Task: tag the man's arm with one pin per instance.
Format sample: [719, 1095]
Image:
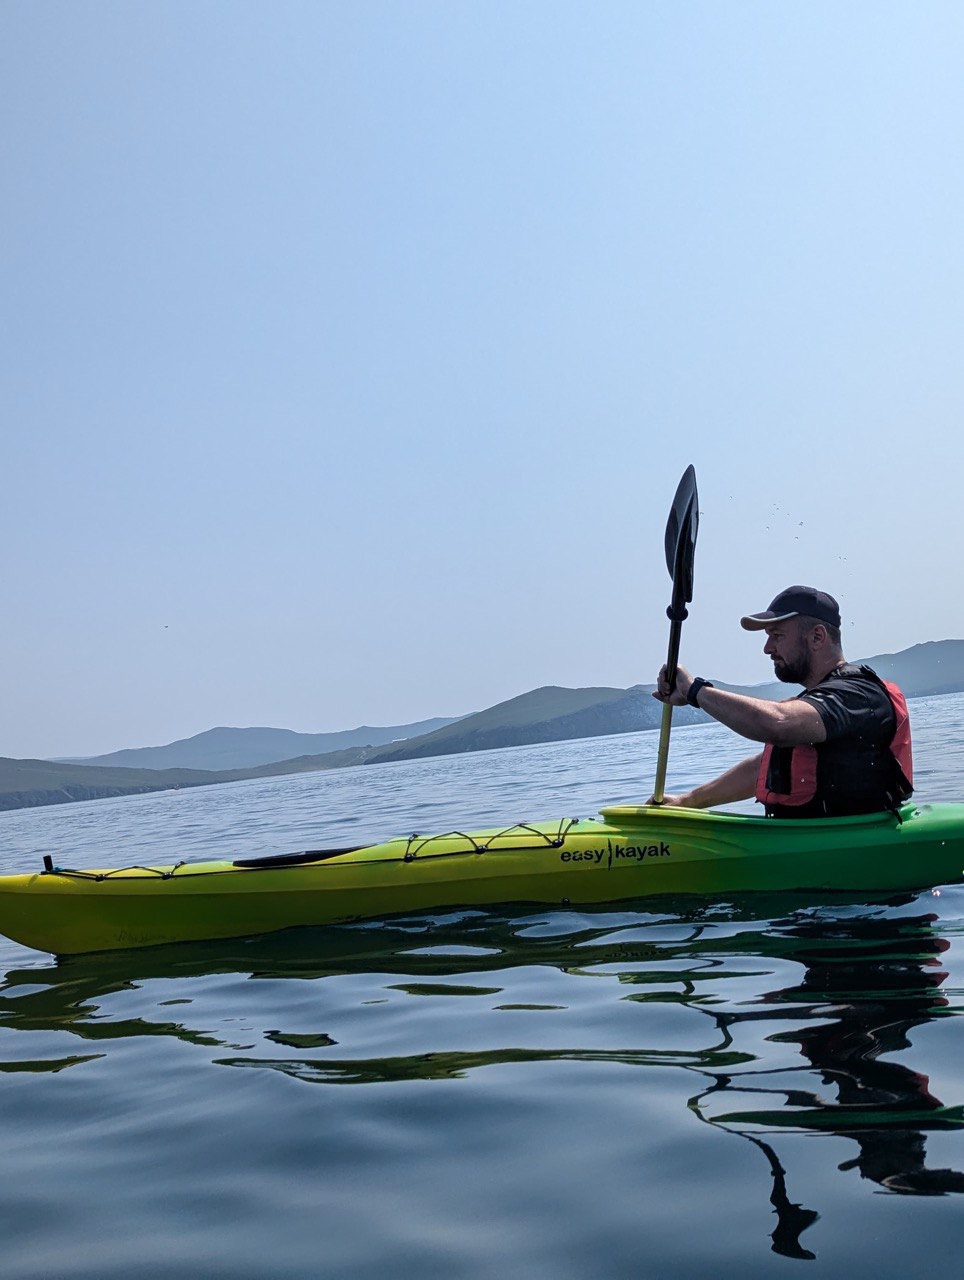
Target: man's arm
[738, 783]
[784, 724]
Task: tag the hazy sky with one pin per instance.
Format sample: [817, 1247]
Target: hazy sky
[351, 353]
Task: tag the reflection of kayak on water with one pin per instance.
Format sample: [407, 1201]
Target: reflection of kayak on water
[629, 853]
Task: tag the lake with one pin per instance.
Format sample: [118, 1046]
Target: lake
[692, 1088]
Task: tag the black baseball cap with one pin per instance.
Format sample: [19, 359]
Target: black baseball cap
[790, 603]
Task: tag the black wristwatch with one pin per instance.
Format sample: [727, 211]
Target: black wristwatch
[694, 690]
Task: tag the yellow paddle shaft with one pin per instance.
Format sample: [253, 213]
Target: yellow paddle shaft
[662, 756]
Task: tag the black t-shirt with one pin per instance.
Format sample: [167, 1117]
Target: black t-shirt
[856, 770]
[851, 705]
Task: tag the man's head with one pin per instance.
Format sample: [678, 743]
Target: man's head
[803, 634]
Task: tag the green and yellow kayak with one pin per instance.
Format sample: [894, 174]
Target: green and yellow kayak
[627, 853]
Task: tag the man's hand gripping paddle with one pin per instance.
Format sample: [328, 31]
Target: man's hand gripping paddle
[681, 528]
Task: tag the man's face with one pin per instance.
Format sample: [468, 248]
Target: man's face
[787, 646]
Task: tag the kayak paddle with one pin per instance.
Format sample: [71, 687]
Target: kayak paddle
[681, 528]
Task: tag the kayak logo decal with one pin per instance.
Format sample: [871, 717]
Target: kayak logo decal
[616, 853]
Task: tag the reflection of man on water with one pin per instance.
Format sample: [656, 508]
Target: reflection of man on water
[870, 981]
[893, 979]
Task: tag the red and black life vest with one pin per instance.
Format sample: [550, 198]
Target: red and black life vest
[821, 779]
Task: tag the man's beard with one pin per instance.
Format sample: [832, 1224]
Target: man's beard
[792, 670]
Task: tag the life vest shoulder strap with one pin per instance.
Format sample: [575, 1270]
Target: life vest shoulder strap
[901, 747]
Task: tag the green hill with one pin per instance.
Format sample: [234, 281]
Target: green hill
[549, 714]
[26, 783]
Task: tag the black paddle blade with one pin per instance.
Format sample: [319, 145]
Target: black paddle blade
[681, 530]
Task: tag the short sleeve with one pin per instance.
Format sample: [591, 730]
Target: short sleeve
[853, 708]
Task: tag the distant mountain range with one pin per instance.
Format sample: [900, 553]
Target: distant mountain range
[549, 714]
[921, 671]
[225, 748]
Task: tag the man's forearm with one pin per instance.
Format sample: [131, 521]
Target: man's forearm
[738, 783]
[750, 717]
[789, 723]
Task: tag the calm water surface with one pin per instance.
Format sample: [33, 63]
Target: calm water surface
[692, 1088]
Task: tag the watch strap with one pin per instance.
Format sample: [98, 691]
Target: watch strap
[694, 690]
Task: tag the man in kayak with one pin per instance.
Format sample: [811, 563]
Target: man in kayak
[840, 747]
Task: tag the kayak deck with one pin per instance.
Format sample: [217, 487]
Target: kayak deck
[629, 852]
